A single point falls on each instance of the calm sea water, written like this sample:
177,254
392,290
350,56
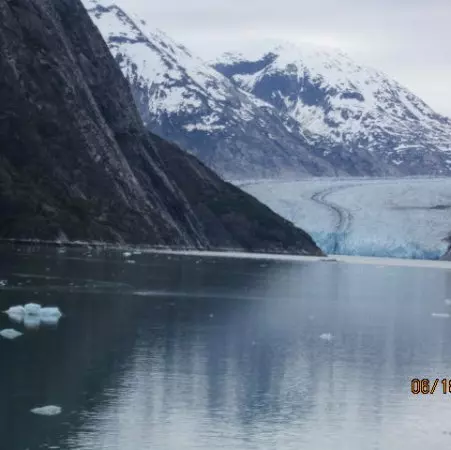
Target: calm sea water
183,352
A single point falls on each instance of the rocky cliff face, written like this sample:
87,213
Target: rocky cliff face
77,163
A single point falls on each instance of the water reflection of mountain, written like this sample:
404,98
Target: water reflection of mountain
133,371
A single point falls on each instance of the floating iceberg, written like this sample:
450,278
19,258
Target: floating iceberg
16,310
31,322
49,320
10,333
441,315
49,410
127,254
32,309
17,318
326,337
50,311
33,315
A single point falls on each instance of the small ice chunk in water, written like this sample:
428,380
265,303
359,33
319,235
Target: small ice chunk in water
15,310
18,318
49,320
49,410
32,309
126,254
10,333
32,315
31,322
50,311
448,301
326,337
441,315
3,283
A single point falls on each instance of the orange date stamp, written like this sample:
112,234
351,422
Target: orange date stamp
430,386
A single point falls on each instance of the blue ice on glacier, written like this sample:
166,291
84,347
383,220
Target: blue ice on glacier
334,243
397,218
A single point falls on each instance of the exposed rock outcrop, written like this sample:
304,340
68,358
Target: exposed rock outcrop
77,163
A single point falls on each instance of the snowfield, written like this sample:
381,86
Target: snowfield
401,218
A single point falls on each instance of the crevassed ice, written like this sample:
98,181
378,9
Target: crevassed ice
401,218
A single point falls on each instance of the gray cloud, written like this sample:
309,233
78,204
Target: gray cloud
408,39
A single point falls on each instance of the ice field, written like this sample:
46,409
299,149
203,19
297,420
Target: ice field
402,218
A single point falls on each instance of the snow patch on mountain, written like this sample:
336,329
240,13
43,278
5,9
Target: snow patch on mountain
184,99
287,111
342,104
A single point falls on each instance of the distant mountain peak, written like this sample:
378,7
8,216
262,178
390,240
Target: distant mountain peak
277,108
183,98
342,104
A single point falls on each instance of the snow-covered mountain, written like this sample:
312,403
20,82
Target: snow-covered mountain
287,112
184,99
346,108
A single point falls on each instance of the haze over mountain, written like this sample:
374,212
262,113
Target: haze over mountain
286,112
77,163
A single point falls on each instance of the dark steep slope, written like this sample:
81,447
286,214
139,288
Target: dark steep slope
77,163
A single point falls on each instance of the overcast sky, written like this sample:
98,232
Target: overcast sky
408,39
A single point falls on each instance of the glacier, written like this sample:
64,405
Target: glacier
389,217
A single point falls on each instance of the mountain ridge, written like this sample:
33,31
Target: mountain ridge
344,104
183,99
78,164
281,113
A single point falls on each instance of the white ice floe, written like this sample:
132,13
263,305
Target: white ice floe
33,315
447,301
126,254
10,333
50,311
15,310
441,315
49,410
326,337
17,318
49,320
32,309
31,322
